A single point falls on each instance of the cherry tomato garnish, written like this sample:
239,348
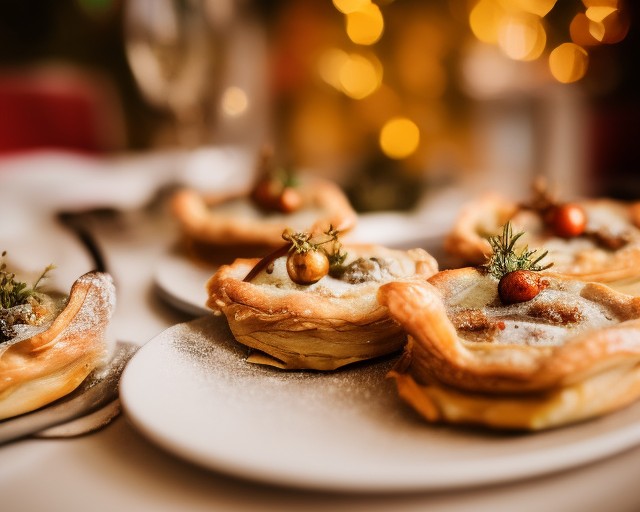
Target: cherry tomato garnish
290,200
307,267
270,195
568,220
519,286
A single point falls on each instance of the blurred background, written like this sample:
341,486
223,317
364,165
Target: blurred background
392,99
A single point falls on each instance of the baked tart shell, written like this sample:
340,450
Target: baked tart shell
294,327
46,366
574,372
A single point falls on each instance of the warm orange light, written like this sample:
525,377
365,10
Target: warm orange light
399,138
522,37
365,25
484,20
360,76
330,65
538,7
600,3
234,102
600,12
348,6
568,62
579,30
607,24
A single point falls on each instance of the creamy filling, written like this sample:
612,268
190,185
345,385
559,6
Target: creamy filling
359,272
608,228
243,208
548,319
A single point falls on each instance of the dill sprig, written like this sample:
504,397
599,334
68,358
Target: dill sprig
14,292
505,258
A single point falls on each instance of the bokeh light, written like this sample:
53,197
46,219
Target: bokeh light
518,29
484,20
538,7
568,62
355,74
349,6
329,65
601,3
365,24
234,101
399,138
360,75
579,30
522,37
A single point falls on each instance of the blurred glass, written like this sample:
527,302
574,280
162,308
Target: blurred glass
173,51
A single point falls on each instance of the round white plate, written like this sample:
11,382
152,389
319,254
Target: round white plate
191,392
182,283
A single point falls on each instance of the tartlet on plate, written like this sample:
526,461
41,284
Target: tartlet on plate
55,344
323,325
219,227
570,353
595,240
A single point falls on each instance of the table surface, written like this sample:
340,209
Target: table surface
117,468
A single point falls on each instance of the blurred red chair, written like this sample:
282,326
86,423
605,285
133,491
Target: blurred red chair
58,107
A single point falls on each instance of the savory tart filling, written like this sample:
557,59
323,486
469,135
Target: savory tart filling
300,320
596,239
530,365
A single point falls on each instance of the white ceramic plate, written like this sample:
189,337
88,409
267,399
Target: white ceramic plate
191,392
182,283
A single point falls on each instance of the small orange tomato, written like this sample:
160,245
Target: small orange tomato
290,200
519,286
568,220
266,194
307,267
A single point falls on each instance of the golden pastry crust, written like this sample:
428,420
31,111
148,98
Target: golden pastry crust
531,365
583,256
322,326
38,369
236,221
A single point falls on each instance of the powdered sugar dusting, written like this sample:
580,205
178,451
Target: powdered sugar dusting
209,354
99,303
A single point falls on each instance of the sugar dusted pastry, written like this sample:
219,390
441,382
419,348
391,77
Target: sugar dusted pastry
313,303
250,224
479,354
593,239
48,344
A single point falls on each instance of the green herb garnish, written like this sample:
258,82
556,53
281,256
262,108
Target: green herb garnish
19,302
14,292
506,259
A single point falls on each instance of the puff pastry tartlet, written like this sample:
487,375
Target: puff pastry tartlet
218,228
606,248
570,353
43,362
325,325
